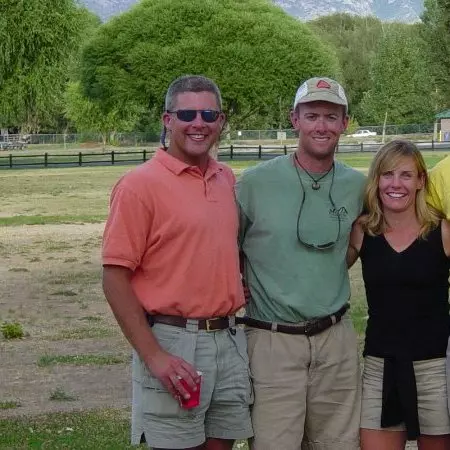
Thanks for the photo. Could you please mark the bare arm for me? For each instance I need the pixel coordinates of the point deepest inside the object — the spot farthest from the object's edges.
(132, 320)
(354, 246)
(446, 237)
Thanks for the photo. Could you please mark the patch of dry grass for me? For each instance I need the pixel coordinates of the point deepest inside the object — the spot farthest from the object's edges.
(58, 192)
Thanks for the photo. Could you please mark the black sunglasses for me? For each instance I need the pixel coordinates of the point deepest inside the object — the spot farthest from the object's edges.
(326, 245)
(188, 115)
(315, 246)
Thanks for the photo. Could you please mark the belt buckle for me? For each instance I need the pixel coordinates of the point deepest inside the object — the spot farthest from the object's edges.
(309, 325)
(208, 325)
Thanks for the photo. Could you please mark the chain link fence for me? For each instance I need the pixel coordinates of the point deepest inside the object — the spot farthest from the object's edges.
(137, 139)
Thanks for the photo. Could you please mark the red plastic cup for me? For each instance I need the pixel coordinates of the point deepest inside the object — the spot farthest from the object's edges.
(194, 400)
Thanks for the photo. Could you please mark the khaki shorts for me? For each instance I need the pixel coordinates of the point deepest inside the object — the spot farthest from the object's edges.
(225, 394)
(448, 374)
(431, 396)
(306, 389)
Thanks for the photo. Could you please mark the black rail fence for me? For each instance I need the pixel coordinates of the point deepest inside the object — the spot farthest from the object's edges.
(225, 153)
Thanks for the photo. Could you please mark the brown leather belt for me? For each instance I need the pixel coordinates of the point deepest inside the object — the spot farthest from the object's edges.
(308, 328)
(217, 323)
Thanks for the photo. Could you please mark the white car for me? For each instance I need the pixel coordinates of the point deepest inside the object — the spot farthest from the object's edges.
(362, 134)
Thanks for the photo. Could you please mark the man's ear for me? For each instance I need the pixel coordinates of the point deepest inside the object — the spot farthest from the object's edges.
(294, 117)
(345, 122)
(223, 120)
(166, 119)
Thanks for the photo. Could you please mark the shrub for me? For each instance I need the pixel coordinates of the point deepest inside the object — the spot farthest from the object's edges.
(60, 395)
(12, 330)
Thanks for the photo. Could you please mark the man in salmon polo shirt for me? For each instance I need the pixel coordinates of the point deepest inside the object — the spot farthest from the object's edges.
(171, 276)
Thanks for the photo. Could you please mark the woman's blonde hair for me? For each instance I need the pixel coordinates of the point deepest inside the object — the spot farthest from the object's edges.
(388, 158)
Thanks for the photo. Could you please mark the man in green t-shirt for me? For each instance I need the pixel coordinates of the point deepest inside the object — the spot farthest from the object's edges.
(296, 214)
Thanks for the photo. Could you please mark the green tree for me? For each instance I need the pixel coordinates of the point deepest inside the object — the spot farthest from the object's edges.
(256, 53)
(39, 42)
(400, 81)
(436, 32)
(355, 40)
(88, 116)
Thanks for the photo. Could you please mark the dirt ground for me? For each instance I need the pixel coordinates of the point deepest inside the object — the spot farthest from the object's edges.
(50, 278)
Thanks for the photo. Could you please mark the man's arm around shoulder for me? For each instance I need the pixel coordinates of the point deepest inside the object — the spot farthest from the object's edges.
(355, 243)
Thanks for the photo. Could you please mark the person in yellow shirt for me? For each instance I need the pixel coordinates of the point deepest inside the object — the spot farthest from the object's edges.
(439, 192)
(439, 197)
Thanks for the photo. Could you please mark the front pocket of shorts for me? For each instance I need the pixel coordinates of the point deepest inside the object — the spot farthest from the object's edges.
(169, 341)
(176, 341)
(156, 398)
(240, 341)
(168, 337)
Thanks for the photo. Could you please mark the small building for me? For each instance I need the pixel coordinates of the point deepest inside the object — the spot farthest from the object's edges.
(444, 118)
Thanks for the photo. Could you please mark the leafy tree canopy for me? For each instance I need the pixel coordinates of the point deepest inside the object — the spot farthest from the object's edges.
(87, 116)
(355, 40)
(257, 54)
(400, 80)
(39, 40)
(436, 32)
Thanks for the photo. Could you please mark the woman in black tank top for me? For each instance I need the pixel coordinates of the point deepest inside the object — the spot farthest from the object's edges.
(404, 246)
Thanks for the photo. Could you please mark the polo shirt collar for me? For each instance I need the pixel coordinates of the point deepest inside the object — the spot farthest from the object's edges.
(177, 167)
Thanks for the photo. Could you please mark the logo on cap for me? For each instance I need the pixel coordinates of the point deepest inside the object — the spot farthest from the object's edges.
(322, 84)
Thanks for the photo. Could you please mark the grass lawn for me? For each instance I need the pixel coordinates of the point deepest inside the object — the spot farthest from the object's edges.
(80, 195)
(362, 160)
(96, 430)
(107, 429)
(59, 271)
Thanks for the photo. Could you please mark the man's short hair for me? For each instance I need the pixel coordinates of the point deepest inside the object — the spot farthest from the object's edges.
(191, 83)
(321, 89)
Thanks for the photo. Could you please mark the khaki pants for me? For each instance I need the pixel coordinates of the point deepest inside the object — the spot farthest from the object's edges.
(307, 389)
(447, 367)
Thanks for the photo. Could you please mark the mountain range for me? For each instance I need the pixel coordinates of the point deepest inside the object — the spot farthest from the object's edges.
(386, 10)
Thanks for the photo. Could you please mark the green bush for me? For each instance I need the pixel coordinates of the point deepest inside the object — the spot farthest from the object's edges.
(12, 330)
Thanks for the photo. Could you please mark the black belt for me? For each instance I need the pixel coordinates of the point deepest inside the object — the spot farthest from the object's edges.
(308, 328)
(217, 323)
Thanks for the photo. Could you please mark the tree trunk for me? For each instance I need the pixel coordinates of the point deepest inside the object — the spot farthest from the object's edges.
(384, 127)
(104, 138)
